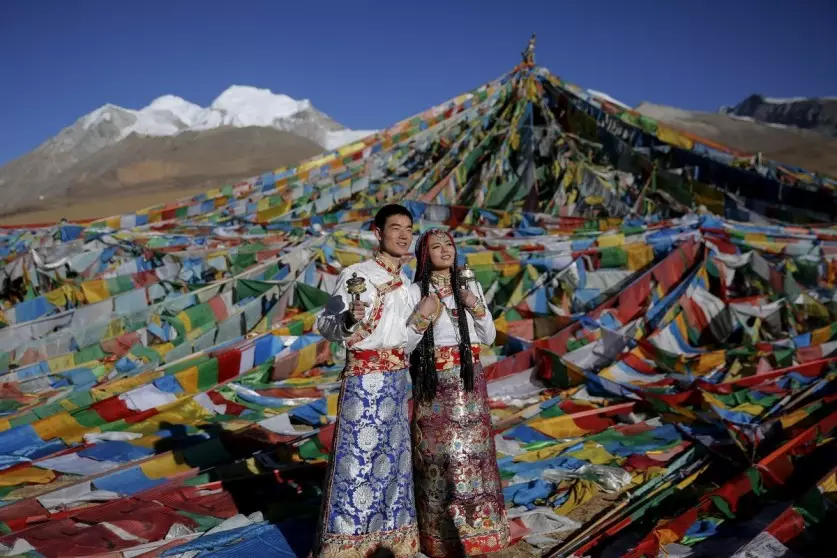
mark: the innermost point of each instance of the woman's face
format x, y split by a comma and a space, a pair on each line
442, 252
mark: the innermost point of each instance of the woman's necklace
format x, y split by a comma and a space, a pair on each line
442, 284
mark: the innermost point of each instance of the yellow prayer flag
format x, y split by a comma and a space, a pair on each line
790, 419
749, 409
755, 237
820, 336
708, 362
164, 348
501, 324
271, 213
510, 269
581, 492
639, 255
476, 259
828, 487
187, 322
188, 379
562, 426
60, 425
609, 240
307, 358
331, 405
674, 137
60, 363
123, 385
95, 290
348, 258
56, 297
666, 536
594, 453
165, 465
308, 321
641, 477
26, 475
184, 411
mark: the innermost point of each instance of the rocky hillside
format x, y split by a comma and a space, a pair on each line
815, 114
142, 165
170, 143
789, 145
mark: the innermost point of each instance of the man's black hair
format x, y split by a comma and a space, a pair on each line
388, 211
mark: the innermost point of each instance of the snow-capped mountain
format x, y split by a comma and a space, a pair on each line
239, 107
75, 159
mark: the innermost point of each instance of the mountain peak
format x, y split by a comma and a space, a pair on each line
106, 113
251, 106
171, 103
238, 106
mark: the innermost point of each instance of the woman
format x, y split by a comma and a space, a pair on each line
459, 498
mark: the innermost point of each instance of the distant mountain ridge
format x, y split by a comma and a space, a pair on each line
817, 114
64, 163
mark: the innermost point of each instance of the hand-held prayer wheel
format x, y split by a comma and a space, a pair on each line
356, 286
467, 277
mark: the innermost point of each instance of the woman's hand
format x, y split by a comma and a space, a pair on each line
429, 305
469, 299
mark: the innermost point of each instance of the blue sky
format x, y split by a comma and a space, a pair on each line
370, 63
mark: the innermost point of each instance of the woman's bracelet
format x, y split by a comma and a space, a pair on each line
478, 311
419, 321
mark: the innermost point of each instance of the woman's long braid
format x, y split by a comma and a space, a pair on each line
423, 357
466, 359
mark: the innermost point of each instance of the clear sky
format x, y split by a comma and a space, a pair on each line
369, 64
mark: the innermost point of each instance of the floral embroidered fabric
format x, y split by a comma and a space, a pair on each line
371, 361
368, 504
448, 357
459, 498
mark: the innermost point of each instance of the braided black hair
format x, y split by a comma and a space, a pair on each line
423, 358
466, 358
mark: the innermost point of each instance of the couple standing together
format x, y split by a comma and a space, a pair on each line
390, 492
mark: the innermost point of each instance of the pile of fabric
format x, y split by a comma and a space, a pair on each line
662, 381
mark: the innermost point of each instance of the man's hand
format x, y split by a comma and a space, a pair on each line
357, 311
429, 305
469, 299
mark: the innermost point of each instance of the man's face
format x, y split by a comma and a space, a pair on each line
397, 235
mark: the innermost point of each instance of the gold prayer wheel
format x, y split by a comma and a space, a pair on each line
356, 286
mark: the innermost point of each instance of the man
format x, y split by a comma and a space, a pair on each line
368, 503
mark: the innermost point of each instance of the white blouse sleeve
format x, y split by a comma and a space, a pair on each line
332, 322
416, 324
483, 322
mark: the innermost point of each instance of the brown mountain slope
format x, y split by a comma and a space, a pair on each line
137, 169
792, 146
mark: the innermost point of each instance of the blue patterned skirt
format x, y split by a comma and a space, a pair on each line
368, 502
